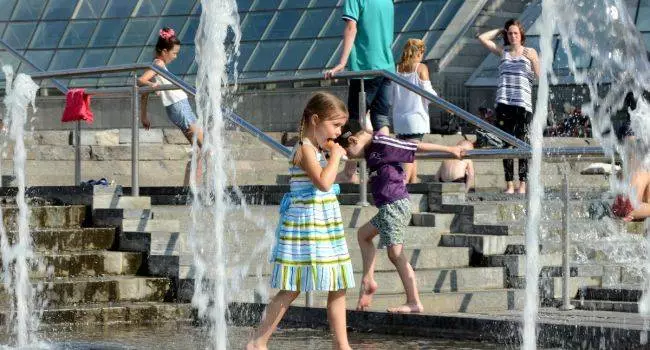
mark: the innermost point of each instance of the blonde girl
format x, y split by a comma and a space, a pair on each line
410, 110
310, 252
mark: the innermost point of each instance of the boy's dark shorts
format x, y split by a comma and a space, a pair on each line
379, 99
391, 222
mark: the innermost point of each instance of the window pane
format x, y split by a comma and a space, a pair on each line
107, 32
114, 81
151, 7
125, 55
430, 39
190, 31
449, 13
85, 82
95, 57
335, 25
17, 35
266, 4
244, 5
580, 58
40, 58
283, 25
176, 22
66, 59
293, 55
321, 53
137, 31
245, 50
28, 10
78, 33
147, 54
427, 13
312, 23
185, 58
264, 56
48, 34
59, 9
403, 12
91, 9
8, 7
643, 19
179, 7
296, 4
119, 8
2, 28
323, 3
255, 24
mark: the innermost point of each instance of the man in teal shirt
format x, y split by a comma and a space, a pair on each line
367, 40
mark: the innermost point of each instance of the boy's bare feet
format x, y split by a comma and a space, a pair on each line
368, 288
406, 309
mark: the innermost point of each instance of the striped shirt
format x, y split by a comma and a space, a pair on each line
384, 157
515, 83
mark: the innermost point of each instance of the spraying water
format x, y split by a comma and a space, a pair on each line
604, 31
536, 189
218, 19
15, 257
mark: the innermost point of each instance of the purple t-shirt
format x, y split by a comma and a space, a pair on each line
384, 157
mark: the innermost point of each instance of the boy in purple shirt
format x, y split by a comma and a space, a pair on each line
384, 156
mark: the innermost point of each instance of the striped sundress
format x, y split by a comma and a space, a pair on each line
310, 251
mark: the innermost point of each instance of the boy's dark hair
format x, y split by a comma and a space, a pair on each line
351, 128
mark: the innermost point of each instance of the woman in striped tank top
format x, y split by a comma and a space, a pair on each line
310, 252
518, 69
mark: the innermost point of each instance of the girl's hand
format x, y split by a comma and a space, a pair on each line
531, 55
155, 85
335, 149
146, 123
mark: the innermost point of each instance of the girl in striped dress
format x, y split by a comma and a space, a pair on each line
310, 252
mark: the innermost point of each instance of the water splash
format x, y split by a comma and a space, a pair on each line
605, 31
535, 187
218, 19
20, 93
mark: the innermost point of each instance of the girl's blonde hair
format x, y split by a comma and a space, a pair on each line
411, 49
323, 104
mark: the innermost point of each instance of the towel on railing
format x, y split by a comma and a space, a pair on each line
77, 107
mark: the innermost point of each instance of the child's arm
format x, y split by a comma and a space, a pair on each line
457, 151
148, 75
469, 181
322, 178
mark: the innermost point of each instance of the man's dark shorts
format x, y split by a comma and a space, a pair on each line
379, 99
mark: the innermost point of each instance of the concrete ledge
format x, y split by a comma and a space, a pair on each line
577, 329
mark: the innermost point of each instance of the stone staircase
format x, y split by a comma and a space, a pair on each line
81, 278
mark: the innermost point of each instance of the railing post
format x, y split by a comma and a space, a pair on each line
363, 173
566, 268
135, 139
77, 154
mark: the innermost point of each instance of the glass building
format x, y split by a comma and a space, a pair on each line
279, 37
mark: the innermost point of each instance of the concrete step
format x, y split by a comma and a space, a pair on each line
70, 239
49, 216
445, 302
515, 264
550, 288
67, 291
87, 264
109, 201
492, 212
480, 244
623, 293
114, 313
150, 225
606, 305
420, 258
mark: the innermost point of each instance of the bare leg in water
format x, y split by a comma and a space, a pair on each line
407, 275
272, 316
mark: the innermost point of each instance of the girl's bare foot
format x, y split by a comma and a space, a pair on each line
510, 188
368, 288
406, 309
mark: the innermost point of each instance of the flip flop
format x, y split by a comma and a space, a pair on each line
102, 182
